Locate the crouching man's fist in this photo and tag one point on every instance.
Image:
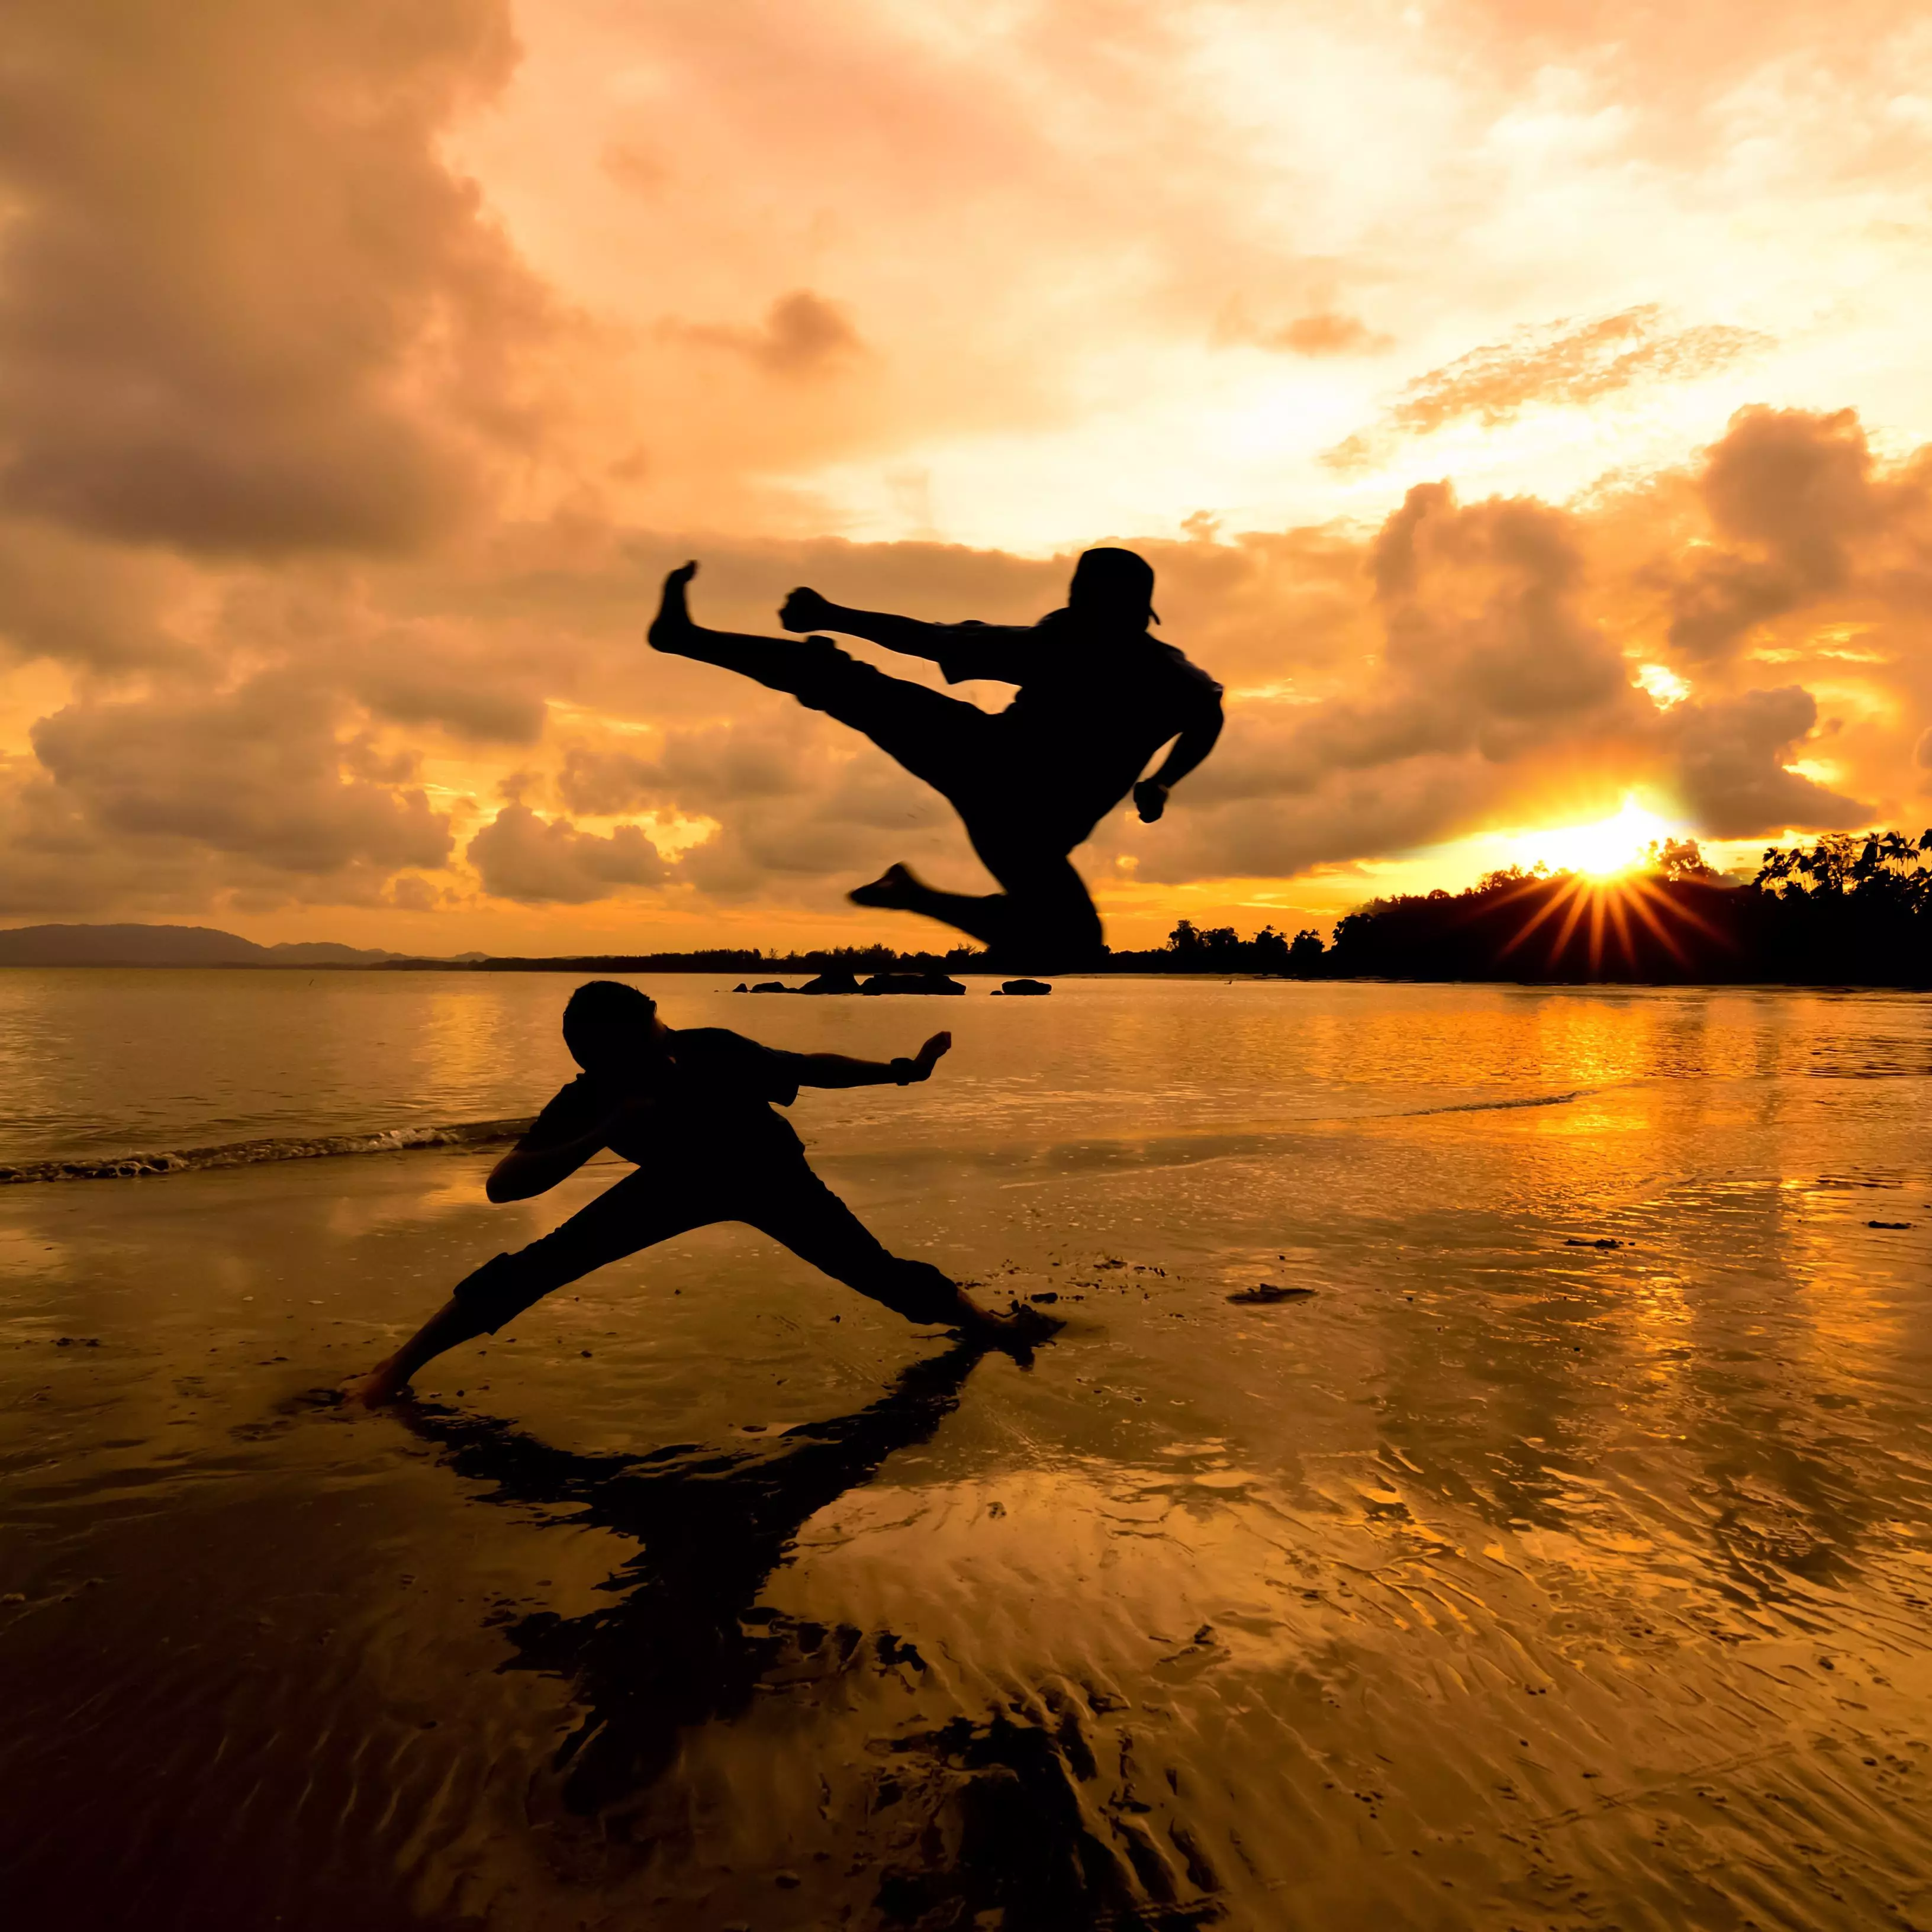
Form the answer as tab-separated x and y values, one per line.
920	1065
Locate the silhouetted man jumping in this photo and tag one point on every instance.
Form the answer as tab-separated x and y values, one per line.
691	1109
1098	697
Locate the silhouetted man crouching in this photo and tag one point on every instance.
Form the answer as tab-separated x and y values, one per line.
692	1108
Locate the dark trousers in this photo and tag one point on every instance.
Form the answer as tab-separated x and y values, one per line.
1021	823
780	1197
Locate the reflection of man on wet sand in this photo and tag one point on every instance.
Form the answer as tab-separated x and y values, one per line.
691	1109
669	1643
971	1820
976	1818
1098	697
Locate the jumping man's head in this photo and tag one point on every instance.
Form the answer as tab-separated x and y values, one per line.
612	1029
1113	588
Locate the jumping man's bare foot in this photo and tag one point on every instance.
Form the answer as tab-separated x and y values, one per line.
672	624
896	889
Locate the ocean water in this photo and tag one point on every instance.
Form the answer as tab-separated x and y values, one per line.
104	1062
1557	1551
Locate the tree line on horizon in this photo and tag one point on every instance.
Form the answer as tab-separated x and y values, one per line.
1846	909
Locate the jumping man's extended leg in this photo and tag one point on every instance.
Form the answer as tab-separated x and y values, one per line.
939	739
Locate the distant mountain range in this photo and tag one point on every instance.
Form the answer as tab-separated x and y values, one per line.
171	946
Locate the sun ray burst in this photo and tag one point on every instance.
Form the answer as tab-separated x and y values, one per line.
1594	922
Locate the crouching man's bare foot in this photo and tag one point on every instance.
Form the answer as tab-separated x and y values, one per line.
671	627
898	888
1018	1331
386	1383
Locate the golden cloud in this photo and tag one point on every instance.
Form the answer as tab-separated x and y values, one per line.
1559	365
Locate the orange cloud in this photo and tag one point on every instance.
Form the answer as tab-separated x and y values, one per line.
1326	332
1796	501
802	334
1321	331
1558	365
543	862
248	305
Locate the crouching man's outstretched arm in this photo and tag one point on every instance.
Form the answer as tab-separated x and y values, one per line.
835	1070
524	1171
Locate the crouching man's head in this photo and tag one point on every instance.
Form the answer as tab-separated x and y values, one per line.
613	1030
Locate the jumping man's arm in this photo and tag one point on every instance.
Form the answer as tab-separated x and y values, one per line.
960	650
835	1070
806	611
1193	744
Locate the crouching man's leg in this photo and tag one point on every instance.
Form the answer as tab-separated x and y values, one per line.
623	1218
797	1207
480	1304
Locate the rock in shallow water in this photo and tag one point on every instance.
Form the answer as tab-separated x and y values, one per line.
831	982
911	982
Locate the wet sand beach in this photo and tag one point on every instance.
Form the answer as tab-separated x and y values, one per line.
1557	1552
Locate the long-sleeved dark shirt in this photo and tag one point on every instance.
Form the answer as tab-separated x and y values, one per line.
715	1108
1091	709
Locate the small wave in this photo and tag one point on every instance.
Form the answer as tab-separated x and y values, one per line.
248	1153
1498	1106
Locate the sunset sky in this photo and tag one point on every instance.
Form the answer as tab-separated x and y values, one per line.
1525	407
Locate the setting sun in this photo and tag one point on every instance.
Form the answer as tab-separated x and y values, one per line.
1602	849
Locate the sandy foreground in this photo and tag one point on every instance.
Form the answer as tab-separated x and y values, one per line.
1500	1581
